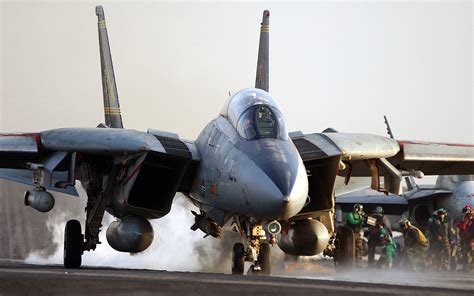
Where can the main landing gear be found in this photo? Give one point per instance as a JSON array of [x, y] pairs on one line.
[[73, 240], [345, 248], [75, 243], [258, 251]]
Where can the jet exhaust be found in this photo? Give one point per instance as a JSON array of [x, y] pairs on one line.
[[132, 234], [39, 199], [304, 238]]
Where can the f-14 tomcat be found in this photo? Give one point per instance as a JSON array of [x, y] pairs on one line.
[[244, 170]]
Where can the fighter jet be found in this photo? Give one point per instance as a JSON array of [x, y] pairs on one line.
[[244, 171], [417, 202]]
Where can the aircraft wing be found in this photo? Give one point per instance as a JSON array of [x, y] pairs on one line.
[[350, 146], [365, 155], [50, 151], [428, 158], [435, 158], [324, 154], [26, 177]]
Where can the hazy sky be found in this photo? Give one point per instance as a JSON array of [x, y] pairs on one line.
[[337, 64]]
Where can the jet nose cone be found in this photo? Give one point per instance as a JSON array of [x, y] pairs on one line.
[[285, 206], [282, 189], [280, 164]]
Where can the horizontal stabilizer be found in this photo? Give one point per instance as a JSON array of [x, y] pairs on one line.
[[423, 194], [370, 199], [370, 196]]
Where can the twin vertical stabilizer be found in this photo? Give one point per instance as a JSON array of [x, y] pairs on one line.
[[262, 79], [113, 117]]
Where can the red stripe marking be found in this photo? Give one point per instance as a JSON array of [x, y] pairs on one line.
[[135, 171], [20, 135], [432, 143], [36, 136]]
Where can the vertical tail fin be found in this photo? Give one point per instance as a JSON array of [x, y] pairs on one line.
[[262, 79], [389, 130], [113, 118]]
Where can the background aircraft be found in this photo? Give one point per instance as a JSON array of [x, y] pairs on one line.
[[417, 202], [324, 151]]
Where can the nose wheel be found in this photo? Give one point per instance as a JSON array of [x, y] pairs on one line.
[[238, 259], [73, 240], [264, 261]]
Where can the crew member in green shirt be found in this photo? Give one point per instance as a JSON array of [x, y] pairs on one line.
[[355, 220]]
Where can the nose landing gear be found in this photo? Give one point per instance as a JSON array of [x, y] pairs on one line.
[[258, 252]]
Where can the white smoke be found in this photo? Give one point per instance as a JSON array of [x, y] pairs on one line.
[[174, 248]]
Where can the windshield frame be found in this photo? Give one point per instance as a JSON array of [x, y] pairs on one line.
[[247, 124]]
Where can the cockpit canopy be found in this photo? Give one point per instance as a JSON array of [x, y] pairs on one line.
[[255, 115]]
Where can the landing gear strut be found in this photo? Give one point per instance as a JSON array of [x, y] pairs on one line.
[[75, 243], [258, 252]]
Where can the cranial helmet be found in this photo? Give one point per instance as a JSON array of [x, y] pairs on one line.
[[466, 208], [442, 211], [404, 223]]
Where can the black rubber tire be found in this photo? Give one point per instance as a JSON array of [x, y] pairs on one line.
[[345, 248], [238, 259], [264, 259], [73, 240]]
